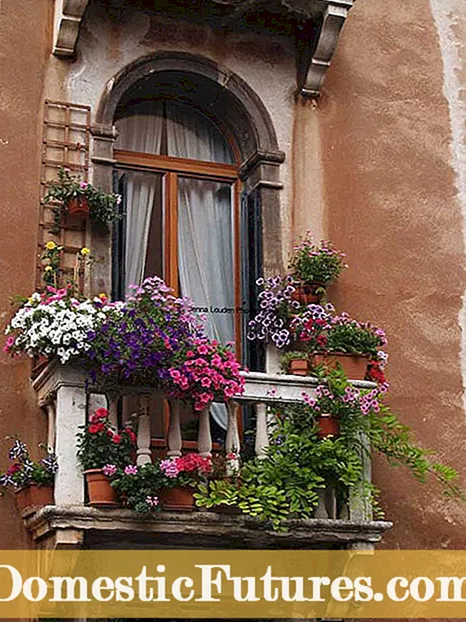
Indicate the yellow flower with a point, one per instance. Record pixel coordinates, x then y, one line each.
48 268
85 251
102 295
50 246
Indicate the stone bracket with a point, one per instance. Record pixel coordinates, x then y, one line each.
68 16
316 65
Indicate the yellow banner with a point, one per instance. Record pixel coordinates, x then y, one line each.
232 584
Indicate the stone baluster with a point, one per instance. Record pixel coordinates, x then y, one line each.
321 509
113 397
262 435
204 439
143 437
174 440
232 442
50 408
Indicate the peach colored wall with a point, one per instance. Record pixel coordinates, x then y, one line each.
391 202
24 41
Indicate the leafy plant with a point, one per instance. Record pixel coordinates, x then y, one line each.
286 482
137 487
103 207
98 444
317 264
353 337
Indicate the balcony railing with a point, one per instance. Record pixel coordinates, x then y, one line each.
64 397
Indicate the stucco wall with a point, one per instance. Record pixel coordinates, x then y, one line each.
24 49
391 202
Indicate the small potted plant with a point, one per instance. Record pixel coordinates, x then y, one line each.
314 268
181 475
349 344
99 446
79 200
296 363
137 486
32 481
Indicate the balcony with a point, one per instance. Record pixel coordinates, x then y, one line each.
64 398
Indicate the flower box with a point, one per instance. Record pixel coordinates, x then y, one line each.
180 499
99 489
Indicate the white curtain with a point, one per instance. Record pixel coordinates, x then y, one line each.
141 133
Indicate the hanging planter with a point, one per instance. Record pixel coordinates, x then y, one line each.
309 293
78 209
354 365
180 499
99 489
328 426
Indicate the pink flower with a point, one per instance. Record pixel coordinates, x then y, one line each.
169 468
109 470
131 470
152 501
175 374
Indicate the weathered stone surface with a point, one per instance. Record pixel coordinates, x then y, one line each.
125 528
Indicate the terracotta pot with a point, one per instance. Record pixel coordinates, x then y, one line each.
22 499
180 499
328 426
99 489
299 367
40 496
354 365
307 293
78 209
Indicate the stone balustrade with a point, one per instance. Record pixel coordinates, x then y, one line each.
64 397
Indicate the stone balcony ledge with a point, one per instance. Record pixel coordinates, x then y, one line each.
87 527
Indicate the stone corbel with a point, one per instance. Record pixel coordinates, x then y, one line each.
314 73
68 16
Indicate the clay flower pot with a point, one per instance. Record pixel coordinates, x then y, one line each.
354 365
40 496
78 209
328 426
299 367
22 499
308 293
99 489
180 499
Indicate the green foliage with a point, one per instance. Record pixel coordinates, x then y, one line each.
103 207
286 482
134 490
353 337
99 445
321 264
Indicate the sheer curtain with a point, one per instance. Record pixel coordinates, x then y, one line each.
205 227
141 132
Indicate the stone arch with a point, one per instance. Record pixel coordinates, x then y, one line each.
230 100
